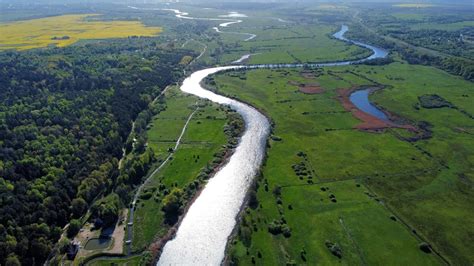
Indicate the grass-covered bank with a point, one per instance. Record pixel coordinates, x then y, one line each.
211 134
326 180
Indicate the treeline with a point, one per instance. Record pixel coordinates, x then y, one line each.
454 65
65 114
451 42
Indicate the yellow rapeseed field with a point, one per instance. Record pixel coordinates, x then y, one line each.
66 30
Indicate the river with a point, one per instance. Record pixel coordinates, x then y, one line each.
203 233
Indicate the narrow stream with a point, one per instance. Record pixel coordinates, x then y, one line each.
203 233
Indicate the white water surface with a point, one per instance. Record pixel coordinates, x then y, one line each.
202 236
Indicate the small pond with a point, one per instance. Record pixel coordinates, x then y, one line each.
361 100
98 243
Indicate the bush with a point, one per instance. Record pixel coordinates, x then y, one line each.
253 201
425 247
433 101
277 191
146 195
334 248
277 227
172 205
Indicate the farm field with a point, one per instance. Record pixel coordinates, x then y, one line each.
66 30
390 194
203 138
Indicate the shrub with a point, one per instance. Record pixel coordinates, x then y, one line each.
425 247
172 205
246 236
253 201
277 227
334 248
146 195
277 191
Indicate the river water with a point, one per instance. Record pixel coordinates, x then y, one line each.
203 233
202 236
360 99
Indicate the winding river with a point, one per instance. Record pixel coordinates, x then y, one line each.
204 231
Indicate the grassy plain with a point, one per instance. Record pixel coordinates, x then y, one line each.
203 137
290 43
131 261
67 29
424 186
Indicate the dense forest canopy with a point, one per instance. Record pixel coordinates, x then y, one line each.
65 115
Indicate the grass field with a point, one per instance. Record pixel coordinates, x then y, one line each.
385 188
66 30
293 44
204 137
131 261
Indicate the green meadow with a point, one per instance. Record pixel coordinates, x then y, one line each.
292 44
371 198
204 136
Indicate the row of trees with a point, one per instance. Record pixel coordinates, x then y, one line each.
65 114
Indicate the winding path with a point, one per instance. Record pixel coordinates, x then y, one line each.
140 188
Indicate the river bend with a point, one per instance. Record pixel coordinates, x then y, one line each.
203 233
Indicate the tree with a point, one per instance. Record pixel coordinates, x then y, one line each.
79 206
172 204
12 260
107 209
73 228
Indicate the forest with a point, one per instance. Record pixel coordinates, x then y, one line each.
65 116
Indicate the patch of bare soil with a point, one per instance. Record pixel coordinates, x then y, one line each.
308 74
311 89
118 235
308 88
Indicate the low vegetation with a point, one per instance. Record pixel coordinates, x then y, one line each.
364 188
